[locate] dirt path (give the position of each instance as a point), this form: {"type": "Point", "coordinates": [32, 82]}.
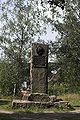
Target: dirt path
{"type": "Point", "coordinates": [73, 115]}
{"type": "Point", "coordinates": [6, 112]}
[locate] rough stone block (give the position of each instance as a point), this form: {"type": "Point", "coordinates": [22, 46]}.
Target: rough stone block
{"type": "Point", "coordinates": [53, 98]}
{"type": "Point", "coordinates": [27, 104]}
{"type": "Point", "coordinates": [63, 104]}
{"type": "Point", "coordinates": [39, 68]}
{"type": "Point", "coordinates": [39, 97]}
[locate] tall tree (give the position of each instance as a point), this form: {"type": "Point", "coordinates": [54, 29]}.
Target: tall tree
{"type": "Point", "coordinates": [68, 46]}
{"type": "Point", "coordinates": [21, 21]}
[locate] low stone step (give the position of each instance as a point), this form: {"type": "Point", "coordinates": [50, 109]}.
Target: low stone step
{"type": "Point", "coordinates": [27, 104]}
{"type": "Point", "coordinates": [63, 104]}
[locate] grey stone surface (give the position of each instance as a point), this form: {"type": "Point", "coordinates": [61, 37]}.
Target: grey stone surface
{"type": "Point", "coordinates": [53, 98]}
{"type": "Point", "coordinates": [37, 97]}
{"type": "Point", "coordinates": [27, 104]}
{"type": "Point", "coordinates": [38, 68]}
{"type": "Point", "coordinates": [39, 80]}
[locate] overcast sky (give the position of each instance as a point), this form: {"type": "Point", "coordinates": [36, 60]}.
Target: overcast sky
{"type": "Point", "coordinates": [49, 36]}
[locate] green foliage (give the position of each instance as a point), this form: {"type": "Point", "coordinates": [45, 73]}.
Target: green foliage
{"type": "Point", "coordinates": [62, 88]}
{"type": "Point", "coordinates": [21, 22]}
{"type": "Point", "coordinates": [9, 76]}
{"type": "Point", "coordinates": [67, 47]}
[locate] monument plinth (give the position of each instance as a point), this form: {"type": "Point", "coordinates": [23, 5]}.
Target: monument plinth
{"type": "Point", "coordinates": [38, 68]}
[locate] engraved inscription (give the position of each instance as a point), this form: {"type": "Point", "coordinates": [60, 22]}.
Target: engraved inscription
{"type": "Point", "coordinates": [39, 61]}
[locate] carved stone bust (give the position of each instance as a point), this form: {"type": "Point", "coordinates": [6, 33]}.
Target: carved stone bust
{"type": "Point", "coordinates": [40, 50]}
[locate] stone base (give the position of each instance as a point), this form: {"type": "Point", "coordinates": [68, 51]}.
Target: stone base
{"type": "Point", "coordinates": [39, 100]}
{"type": "Point", "coordinates": [39, 97]}
{"type": "Point", "coordinates": [28, 104]}
{"type": "Point", "coordinates": [53, 98]}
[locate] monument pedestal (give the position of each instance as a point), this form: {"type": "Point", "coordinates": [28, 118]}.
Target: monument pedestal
{"type": "Point", "coordinates": [39, 100]}
{"type": "Point", "coordinates": [39, 97]}
{"type": "Point", "coordinates": [36, 97]}
{"type": "Point", "coordinates": [27, 104]}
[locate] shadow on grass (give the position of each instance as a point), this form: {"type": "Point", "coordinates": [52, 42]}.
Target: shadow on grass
{"type": "Point", "coordinates": [39, 116]}
{"type": "Point", "coordinates": [4, 102]}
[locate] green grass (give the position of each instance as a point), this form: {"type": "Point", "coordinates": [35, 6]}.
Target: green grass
{"type": "Point", "coordinates": [74, 100]}
{"type": "Point", "coordinates": [6, 97]}
{"type": "Point", "coordinates": [7, 106]}
{"type": "Point", "coordinates": [42, 110]}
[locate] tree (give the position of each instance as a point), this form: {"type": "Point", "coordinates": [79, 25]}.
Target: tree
{"type": "Point", "coordinates": [21, 21]}
{"type": "Point", "coordinates": [68, 49]}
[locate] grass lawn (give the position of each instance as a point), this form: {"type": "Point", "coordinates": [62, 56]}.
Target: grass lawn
{"type": "Point", "coordinates": [74, 99]}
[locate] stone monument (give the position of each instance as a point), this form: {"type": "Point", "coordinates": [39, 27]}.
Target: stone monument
{"type": "Point", "coordinates": [39, 80]}
{"type": "Point", "coordinates": [39, 68]}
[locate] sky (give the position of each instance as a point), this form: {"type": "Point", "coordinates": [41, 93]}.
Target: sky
{"type": "Point", "coordinates": [46, 37]}
{"type": "Point", "coordinates": [50, 36]}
